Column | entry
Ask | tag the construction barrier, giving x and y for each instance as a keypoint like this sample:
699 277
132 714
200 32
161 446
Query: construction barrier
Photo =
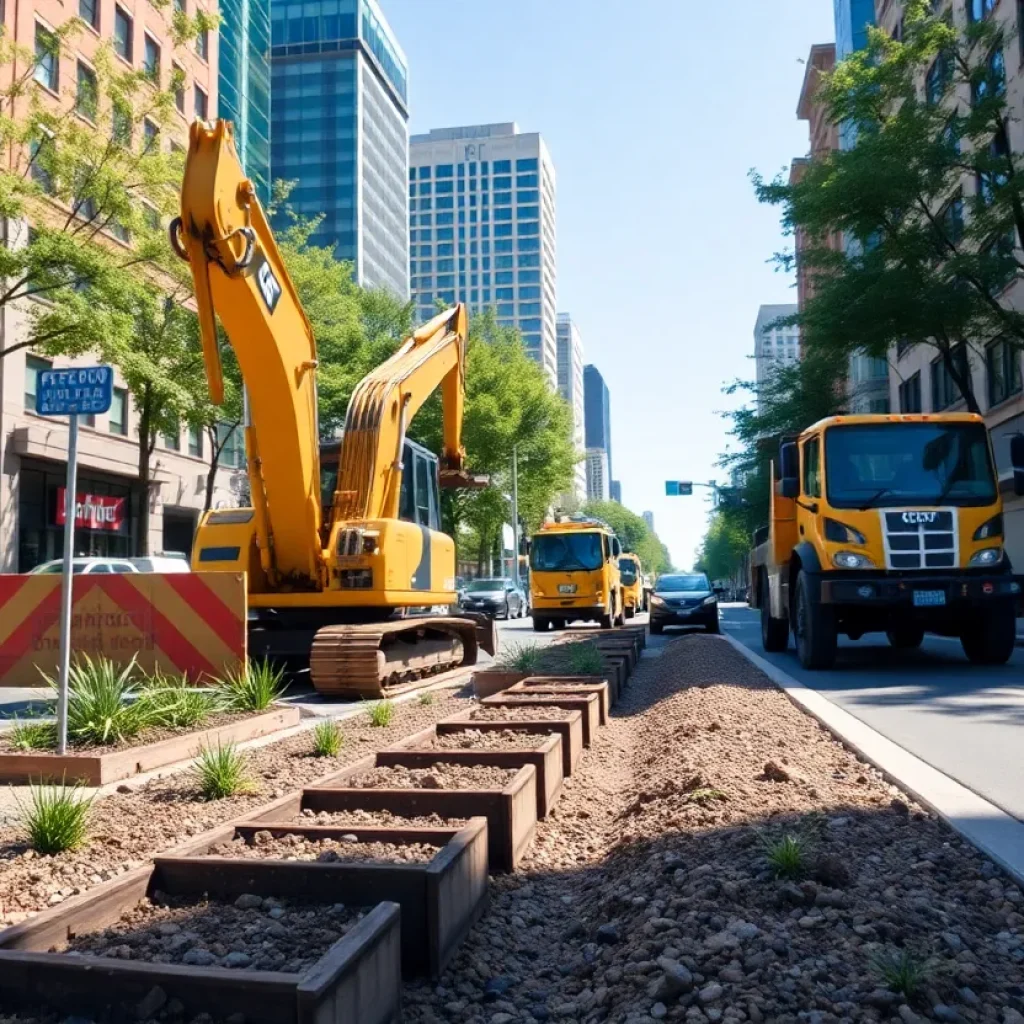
191 623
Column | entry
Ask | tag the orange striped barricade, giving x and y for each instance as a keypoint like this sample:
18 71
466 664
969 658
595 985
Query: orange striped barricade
176 623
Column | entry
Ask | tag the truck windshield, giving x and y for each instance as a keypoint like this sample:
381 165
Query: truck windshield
890 464
566 552
627 567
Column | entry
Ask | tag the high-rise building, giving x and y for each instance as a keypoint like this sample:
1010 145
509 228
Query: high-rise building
339 131
648 518
598 481
570 387
774 346
482 228
243 80
597 414
616 491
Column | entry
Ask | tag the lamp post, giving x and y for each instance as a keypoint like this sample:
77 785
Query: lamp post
515 514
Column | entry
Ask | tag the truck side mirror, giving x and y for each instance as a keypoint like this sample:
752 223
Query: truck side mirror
1017 459
789 470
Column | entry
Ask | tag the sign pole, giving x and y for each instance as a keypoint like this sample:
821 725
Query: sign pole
70 503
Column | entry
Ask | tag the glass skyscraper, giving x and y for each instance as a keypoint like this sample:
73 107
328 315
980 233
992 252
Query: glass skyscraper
482 229
339 90
243 84
597 414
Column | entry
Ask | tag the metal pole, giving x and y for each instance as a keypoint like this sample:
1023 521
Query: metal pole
515 514
70 505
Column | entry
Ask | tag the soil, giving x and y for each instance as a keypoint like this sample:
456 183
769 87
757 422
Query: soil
438 776
504 739
540 713
126 828
251 933
376 819
649 893
265 845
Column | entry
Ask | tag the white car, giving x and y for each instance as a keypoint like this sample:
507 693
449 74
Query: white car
164 561
86 566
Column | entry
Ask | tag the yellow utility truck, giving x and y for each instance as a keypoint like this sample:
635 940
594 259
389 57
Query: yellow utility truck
887 523
633 594
574 574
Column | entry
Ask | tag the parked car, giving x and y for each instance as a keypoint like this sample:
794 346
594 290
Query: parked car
498 597
164 561
684 599
86 566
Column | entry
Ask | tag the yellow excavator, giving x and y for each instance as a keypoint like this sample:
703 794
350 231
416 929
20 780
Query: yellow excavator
343 551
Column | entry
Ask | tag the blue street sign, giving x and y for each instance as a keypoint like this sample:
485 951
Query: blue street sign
678 488
74 391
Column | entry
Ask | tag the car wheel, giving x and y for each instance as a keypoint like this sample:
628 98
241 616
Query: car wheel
714 626
989 638
905 638
657 628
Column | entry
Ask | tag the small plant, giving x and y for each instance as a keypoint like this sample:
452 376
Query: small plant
521 658
426 699
174 703
253 687
222 771
585 660
381 713
705 796
327 739
902 972
56 818
26 734
787 856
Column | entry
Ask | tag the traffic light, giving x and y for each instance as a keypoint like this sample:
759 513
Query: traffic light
679 488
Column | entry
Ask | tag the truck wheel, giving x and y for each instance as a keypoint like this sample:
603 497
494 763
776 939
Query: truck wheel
815 629
606 622
630 612
905 638
540 624
657 628
774 632
989 637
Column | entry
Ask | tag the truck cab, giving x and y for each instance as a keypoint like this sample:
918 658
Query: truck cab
574 574
887 524
633 595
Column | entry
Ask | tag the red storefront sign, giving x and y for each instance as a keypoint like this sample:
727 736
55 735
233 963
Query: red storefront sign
93 511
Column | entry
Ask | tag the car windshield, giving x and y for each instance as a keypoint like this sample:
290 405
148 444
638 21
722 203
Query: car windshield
566 552
681 584
482 586
627 567
894 464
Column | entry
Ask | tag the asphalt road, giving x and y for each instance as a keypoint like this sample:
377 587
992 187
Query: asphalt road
966 721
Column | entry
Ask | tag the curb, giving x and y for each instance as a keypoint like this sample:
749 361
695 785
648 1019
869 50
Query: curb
995 833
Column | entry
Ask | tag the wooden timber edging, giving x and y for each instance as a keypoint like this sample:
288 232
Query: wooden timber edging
586 703
488 681
100 769
415 751
571 685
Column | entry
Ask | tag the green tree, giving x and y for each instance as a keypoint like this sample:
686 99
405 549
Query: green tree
724 546
929 201
633 533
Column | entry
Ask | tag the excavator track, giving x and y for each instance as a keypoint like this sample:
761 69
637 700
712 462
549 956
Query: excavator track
383 659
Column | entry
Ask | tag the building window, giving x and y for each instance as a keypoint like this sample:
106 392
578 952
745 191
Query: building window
118 416
33 364
123 34
195 442
231 438
952 220
201 104
527 165
121 125
86 97
445 171
150 136
944 389
990 79
979 10
203 44
42 157
1002 360
178 77
151 60
938 78
89 12
910 394
180 7
172 440
47 70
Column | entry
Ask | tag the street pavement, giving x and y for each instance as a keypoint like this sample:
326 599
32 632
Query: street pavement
964 720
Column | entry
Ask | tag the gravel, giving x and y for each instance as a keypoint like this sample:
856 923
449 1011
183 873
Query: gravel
377 819
265 845
129 827
490 739
648 893
252 933
541 713
438 776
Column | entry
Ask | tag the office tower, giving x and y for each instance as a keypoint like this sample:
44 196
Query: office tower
649 520
570 387
774 346
597 416
615 491
598 483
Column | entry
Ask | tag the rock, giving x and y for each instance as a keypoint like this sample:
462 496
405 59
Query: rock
745 931
1011 1016
900 807
774 773
608 934
152 1002
968 996
199 958
710 993
237 960
810 922
721 940
908 1016
502 1018
124 789
349 838
830 870
659 1010
573 930
276 913
946 1013
953 941
494 988
249 901
674 981
328 857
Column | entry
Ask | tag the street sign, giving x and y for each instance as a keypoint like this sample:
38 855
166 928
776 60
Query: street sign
74 391
679 488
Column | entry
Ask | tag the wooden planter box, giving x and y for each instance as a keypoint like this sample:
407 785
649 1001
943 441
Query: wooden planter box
511 812
415 752
571 685
586 703
488 681
358 979
99 769
569 730
440 900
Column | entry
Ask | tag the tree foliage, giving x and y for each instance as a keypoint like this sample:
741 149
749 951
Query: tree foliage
633 533
929 201
724 546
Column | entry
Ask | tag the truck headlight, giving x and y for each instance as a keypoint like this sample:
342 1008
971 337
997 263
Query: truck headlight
993 528
851 560
840 533
987 556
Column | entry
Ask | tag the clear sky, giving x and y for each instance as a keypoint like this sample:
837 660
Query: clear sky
654 111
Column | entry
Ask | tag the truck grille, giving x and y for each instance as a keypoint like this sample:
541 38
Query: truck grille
920 540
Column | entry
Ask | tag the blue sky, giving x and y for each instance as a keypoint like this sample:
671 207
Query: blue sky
654 111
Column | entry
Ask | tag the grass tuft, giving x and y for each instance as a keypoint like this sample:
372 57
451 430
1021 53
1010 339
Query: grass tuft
56 817
327 739
253 687
787 857
520 658
902 971
26 734
704 796
585 660
381 713
426 699
222 771
176 704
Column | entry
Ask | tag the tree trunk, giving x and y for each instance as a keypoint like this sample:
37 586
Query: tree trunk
147 442
211 473
963 381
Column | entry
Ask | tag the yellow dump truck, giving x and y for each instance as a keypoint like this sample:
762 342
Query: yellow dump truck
633 594
887 524
574 574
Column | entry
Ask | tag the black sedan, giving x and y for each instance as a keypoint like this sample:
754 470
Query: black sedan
684 599
498 597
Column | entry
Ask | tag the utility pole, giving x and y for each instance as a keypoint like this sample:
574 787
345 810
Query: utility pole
515 514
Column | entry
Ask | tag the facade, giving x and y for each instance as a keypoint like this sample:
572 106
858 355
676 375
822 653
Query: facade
597 414
482 229
852 20
570 387
648 518
598 481
33 449
615 491
339 131
918 381
244 84
774 346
